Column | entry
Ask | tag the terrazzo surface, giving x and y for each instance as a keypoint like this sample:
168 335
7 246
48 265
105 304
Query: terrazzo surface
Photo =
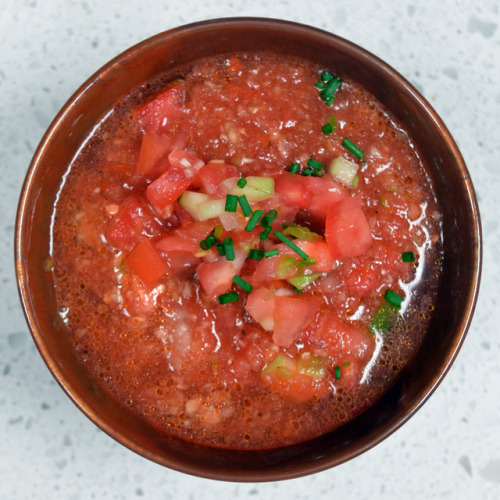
451 448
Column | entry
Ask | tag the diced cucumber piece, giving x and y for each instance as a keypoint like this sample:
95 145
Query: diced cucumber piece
201 206
256 188
300 232
344 171
282 365
301 282
312 366
384 319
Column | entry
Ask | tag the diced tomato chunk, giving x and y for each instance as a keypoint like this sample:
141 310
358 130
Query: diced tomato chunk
187 238
145 263
347 231
167 188
154 148
291 315
260 305
344 342
216 277
213 174
158 113
293 188
134 221
325 192
185 161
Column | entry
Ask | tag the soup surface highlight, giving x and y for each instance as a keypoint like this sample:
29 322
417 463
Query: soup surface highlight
247 255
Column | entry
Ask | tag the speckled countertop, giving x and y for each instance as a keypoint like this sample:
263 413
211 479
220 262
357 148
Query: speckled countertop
450 49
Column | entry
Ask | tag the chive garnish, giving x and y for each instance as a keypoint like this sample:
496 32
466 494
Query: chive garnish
245 206
226 298
265 233
255 254
242 183
408 257
307 171
269 218
221 248
350 146
231 203
242 283
294 168
291 244
338 375
326 77
271 253
327 129
229 248
315 164
393 298
320 84
254 220
333 85
208 242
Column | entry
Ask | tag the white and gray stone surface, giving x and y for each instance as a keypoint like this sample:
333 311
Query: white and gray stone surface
450 49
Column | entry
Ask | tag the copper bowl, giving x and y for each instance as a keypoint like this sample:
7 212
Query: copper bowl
166 53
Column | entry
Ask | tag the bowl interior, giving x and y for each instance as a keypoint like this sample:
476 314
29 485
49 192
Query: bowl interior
171 52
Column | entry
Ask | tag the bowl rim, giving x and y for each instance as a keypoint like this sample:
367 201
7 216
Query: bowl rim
145 46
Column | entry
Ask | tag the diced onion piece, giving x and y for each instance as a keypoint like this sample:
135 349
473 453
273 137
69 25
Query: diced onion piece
343 170
229 220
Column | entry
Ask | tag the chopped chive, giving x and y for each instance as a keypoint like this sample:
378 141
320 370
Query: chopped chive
208 242
242 283
315 164
294 168
229 248
408 257
291 244
271 253
298 290
254 220
231 203
330 100
320 84
393 298
255 254
318 173
332 87
338 375
221 248
326 77
265 233
204 245
269 218
242 183
307 171
226 298
350 146
327 129
245 206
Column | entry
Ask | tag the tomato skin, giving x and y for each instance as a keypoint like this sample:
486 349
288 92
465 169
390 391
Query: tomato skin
167 188
294 189
145 263
156 115
134 221
347 231
212 174
216 277
291 315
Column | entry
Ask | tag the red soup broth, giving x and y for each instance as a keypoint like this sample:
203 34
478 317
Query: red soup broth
223 333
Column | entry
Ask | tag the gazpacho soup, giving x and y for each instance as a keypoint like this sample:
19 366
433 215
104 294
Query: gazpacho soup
246 255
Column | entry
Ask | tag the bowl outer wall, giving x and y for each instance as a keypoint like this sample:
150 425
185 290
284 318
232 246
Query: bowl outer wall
172 52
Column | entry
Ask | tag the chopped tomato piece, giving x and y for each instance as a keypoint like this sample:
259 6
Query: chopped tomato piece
183 160
345 342
325 192
154 148
291 315
182 264
134 221
158 113
216 277
293 188
146 264
347 231
167 188
186 238
212 175
260 305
